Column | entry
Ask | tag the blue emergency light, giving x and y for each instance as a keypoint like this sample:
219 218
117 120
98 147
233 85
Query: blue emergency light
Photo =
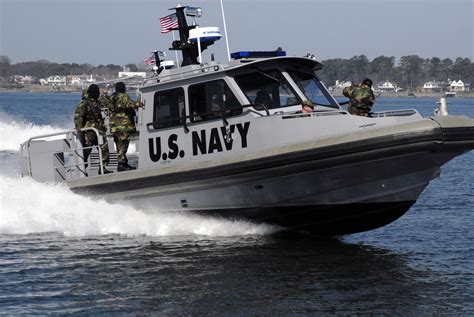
257 54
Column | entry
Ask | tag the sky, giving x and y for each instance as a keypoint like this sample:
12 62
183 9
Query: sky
126 31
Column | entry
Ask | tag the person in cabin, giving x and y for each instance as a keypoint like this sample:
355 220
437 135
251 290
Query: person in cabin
307 106
88 115
361 98
263 98
198 107
122 123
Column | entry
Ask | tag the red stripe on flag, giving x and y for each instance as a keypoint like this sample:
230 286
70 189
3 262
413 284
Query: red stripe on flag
168 23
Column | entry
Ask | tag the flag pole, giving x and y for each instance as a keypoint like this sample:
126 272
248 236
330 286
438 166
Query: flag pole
225 31
199 44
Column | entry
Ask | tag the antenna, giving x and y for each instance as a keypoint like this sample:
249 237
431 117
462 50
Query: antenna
225 31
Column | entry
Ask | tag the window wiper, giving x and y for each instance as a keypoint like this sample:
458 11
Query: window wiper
265 74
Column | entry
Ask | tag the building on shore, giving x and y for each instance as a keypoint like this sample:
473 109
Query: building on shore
458 86
24 80
81 80
126 74
337 88
388 86
56 80
434 86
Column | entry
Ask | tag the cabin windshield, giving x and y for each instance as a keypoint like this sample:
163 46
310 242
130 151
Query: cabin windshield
268 88
313 89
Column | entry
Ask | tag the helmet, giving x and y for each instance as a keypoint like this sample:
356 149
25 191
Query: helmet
367 82
308 103
120 87
93 91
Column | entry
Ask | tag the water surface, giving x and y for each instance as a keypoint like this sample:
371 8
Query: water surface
61 253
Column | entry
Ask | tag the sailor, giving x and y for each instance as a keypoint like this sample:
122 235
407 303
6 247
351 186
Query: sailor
104 99
88 115
122 122
361 98
263 98
307 106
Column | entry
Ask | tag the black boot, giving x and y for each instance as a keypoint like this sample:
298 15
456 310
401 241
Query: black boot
106 171
124 167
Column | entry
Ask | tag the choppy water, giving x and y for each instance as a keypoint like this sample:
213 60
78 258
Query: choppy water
62 253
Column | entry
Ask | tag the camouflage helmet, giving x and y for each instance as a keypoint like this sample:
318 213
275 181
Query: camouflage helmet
308 103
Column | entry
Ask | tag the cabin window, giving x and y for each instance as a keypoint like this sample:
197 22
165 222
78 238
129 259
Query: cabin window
168 108
208 100
312 88
268 88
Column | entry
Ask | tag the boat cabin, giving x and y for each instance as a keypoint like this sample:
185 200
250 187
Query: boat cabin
197 99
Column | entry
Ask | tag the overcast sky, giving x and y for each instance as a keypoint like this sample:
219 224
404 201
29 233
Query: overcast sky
126 31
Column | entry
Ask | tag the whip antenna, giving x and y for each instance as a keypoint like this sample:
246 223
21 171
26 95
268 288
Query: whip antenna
225 31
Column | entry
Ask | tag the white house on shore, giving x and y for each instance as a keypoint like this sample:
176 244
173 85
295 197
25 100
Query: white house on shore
20 79
339 86
81 80
57 80
459 85
388 87
126 74
433 86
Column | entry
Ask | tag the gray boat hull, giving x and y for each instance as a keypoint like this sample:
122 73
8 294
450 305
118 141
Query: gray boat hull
330 191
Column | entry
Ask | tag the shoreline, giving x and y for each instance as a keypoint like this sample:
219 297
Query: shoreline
68 89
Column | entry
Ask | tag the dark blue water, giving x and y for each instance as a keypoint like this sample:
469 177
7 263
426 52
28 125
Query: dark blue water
61 253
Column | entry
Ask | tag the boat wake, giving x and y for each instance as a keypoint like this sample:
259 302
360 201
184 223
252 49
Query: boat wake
28 207
13 133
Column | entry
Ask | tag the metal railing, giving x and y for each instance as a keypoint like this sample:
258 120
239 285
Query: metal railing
26 148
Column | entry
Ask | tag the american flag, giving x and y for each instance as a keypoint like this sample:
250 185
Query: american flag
168 22
150 61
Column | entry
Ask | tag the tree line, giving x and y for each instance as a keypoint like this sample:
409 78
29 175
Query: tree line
44 69
409 72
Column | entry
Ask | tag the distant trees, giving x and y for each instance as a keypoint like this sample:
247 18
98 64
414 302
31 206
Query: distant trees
382 68
132 67
412 71
44 69
4 66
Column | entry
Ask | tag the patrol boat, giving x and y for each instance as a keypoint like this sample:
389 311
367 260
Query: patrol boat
229 140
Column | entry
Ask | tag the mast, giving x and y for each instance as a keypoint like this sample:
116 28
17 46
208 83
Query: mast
189 50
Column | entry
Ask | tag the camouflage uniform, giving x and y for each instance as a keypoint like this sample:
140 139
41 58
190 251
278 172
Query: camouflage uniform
88 115
122 124
105 102
361 99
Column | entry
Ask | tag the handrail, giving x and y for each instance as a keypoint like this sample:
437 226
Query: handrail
221 113
99 142
314 113
393 113
182 74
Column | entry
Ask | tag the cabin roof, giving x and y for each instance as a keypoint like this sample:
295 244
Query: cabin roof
213 68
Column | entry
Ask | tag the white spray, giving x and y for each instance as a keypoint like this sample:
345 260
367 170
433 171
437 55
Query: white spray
27 206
